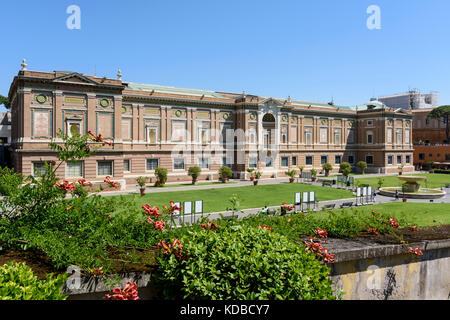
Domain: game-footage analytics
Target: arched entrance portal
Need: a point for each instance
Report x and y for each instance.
(268, 126)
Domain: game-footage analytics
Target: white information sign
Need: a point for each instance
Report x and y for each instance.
(199, 206)
(188, 207)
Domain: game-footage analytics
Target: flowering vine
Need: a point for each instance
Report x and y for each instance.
(129, 292)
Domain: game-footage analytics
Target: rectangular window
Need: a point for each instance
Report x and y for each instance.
(351, 136)
(294, 161)
(73, 128)
(337, 159)
(323, 135)
(337, 136)
(284, 134)
(421, 156)
(152, 134)
(226, 163)
(74, 170)
(309, 160)
(269, 162)
(370, 137)
(285, 162)
(152, 164)
(178, 164)
(253, 162)
(105, 168)
(408, 159)
(389, 135)
(309, 136)
(203, 163)
(399, 136)
(399, 159)
(369, 159)
(203, 132)
(351, 159)
(390, 160)
(38, 167)
(178, 131)
(126, 165)
(323, 159)
(252, 133)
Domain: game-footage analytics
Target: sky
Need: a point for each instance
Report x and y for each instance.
(310, 50)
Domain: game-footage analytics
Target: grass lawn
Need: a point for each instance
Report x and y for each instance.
(215, 200)
(433, 181)
(421, 214)
(192, 185)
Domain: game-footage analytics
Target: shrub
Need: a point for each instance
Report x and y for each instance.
(291, 173)
(257, 174)
(161, 176)
(345, 165)
(141, 181)
(314, 172)
(18, 282)
(225, 173)
(194, 172)
(327, 167)
(9, 181)
(362, 166)
(241, 263)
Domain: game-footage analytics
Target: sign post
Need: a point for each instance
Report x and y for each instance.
(305, 200)
(187, 209)
(297, 200)
(199, 207)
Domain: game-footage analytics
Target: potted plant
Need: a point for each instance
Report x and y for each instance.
(141, 182)
(380, 182)
(291, 174)
(314, 174)
(257, 175)
(161, 176)
(362, 166)
(251, 170)
(400, 170)
(301, 168)
(327, 168)
(430, 164)
(225, 173)
(194, 172)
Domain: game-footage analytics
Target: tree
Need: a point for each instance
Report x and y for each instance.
(443, 112)
(327, 167)
(194, 172)
(362, 166)
(225, 173)
(5, 102)
(161, 176)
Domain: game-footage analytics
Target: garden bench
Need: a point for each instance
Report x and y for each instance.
(327, 183)
(347, 205)
(330, 207)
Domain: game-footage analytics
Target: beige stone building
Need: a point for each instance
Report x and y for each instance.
(175, 128)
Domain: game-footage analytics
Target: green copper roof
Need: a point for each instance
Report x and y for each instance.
(149, 87)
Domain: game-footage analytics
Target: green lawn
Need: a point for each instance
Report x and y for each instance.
(421, 214)
(192, 185)
(217, 199)
(433, 181)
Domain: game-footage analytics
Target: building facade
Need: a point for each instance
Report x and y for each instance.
(153, 126)
(428, 130)
(412, 100)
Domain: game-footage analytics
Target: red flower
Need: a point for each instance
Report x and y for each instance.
(393, 222)
(130, 292)
(322, 233)
(98, 138)
(416, 251)
(175, 247)
(317, 249)
(373, 230)
(413, 228)
(84, 183)
(111, 183)
(153, 212)
(66, 186)
(264, 227)
(209, 226)
(287, 207)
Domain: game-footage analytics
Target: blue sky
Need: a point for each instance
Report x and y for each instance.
(311, 50)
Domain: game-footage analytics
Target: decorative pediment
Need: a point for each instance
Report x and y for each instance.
(75, 77)
(271, 103)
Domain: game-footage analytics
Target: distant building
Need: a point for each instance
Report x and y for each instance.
(412, 100)
(428, 130)
(5, 137)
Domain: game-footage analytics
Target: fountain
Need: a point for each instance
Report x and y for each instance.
(412, 189)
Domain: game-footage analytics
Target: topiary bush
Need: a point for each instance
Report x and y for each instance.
(161, 176)
(225, 173)
(18, 282)
(240, 262)
(194, 172)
